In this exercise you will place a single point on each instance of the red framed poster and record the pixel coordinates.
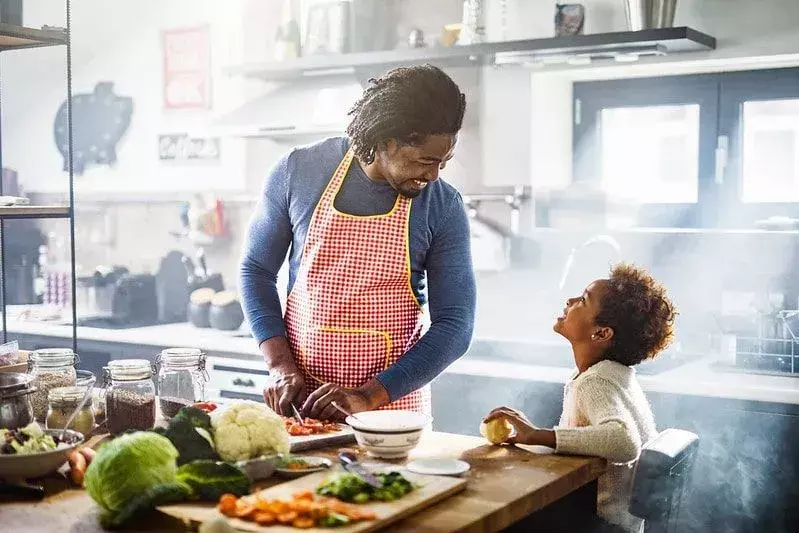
(187, 68)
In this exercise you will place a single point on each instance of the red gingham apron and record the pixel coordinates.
(352, 312)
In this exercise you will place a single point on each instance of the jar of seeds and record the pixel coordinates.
(129, 395)
(51, 368)
(181, 379)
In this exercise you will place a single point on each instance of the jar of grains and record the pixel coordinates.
(63, 402)
(181, 379)
(129, 395)
(51, 368)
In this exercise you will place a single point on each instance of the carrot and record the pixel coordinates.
(287, 518)
(303, 495)
(88, 453)
(263, 518)
(227, 504)
(303, 523)
(244, 511)
(77, 467)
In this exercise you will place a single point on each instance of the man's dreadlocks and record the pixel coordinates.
(405, 104)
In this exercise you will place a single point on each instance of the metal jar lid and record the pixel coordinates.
(14, 384)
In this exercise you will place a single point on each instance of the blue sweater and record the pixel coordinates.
(441, 266)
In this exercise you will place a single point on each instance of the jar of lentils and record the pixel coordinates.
(181, 379)
(129, 395)
(51, 368)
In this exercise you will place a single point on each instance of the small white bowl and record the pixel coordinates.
(388, 434)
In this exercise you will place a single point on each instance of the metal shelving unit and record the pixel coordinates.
(19, 38)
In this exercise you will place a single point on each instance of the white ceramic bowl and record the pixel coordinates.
(37, 465)
(388, 434)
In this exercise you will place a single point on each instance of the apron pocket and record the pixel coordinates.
(345, 357)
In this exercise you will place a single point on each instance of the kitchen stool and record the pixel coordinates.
(660, 478)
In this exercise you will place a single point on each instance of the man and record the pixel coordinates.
(373, 233)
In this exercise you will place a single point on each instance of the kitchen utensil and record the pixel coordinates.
(172, 288)
(350, 463)
(202, 262)
(315, 464)
(225, 313)
(15, 406)
(200, 307)
(646, 14)
(22, 490)
(86, 395)
(432, 490)
(37, 465)
(389, 434)
(439, 467)
(258, 468)
(344, 411)
(297, 416)
(344, 437)
(136, 300)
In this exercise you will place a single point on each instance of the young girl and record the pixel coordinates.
(615, 324)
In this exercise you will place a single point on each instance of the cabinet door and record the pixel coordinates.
(745, 477)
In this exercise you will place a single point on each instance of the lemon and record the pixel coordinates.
(496, 431)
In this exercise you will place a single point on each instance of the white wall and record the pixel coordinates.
(119, 42)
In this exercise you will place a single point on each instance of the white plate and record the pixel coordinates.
(438, 467)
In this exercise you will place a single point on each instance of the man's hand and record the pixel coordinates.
(524, 430)
(286, 384)
(319, 404)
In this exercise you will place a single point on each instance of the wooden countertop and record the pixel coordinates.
(504, 485)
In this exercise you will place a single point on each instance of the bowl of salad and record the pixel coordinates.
(32, 452)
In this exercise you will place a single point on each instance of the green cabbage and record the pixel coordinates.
(128, 466)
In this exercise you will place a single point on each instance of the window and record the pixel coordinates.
(770, 151)
(657, 143)
(716, 150)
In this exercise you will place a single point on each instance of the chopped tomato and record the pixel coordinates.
(263, 518)
(206, 406)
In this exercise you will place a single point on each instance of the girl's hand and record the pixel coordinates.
(524, 430)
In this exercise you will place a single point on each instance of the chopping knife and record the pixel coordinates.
(351, 464)
(297, 416)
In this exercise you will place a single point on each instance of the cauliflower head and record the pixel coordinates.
(244, 429)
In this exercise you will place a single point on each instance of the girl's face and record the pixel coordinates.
(578, 321)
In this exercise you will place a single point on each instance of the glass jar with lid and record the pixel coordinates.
(129, 395)
(63, 402)
(181, 379)
(51, 368)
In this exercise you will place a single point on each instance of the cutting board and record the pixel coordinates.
(326, 440)
(433, 489)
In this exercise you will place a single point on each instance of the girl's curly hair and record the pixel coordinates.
(638, 309)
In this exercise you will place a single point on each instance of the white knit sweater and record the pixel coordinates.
(606, 414)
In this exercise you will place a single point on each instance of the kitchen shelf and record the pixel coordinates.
(661, 41)
(291, 132)
(38, 211)
(14, 37)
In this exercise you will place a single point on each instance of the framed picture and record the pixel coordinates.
(187, 68)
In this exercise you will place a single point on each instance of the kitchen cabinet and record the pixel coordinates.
(746, 477)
